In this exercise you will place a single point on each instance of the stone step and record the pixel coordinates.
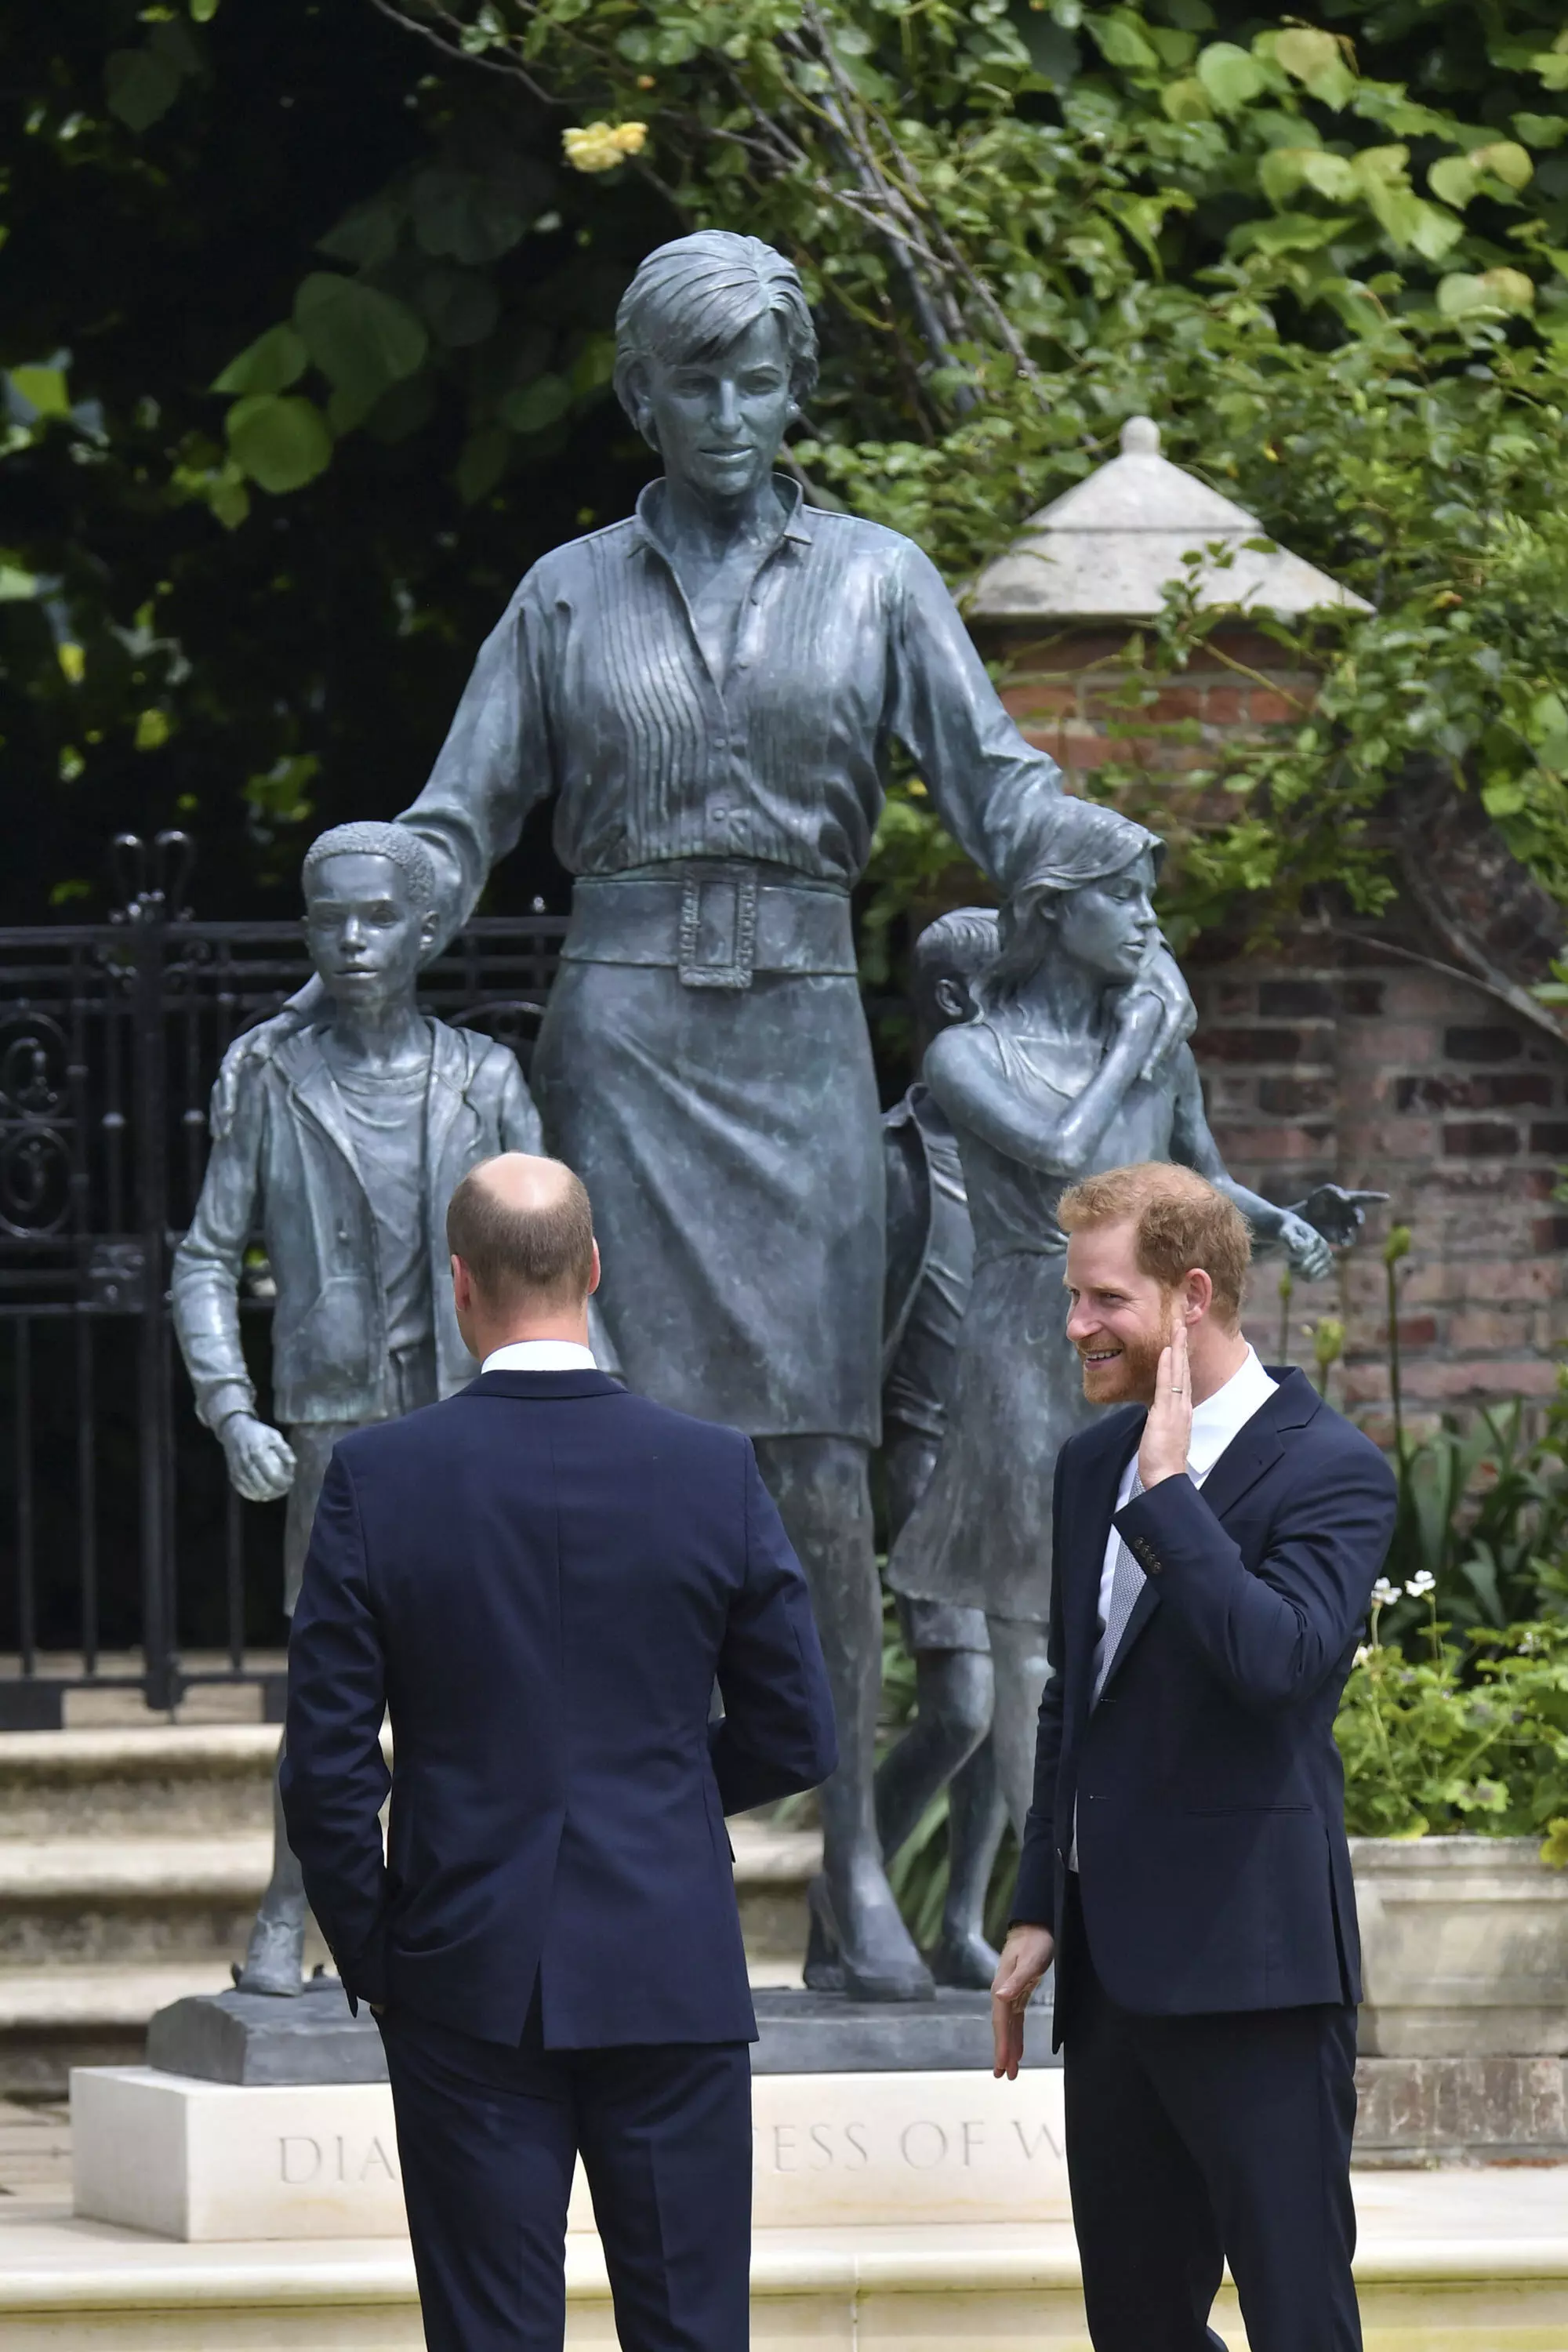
(129, 1900)
(1472, 2262)
(158, 1778)
(123, 1899)
(104, 1923)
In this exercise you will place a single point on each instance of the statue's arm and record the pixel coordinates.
(494, 764)
(1193, 1146)
(977, 768)
(204, 1284)
(966, 1073)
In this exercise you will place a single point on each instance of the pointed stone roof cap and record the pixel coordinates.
(1106, 548)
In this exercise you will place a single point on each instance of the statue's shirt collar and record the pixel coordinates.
(647, 530)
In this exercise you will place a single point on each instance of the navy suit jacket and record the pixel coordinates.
(542, 1578)
(1212, 1867)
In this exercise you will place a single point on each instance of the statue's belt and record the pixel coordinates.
(715, 928)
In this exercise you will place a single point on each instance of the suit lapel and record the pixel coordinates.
(1087, 1537)
(1254, 1450)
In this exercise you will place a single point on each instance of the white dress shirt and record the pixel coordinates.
(541, 1356)
(1216, 1422)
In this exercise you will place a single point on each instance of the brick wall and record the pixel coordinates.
(1342, 1060)
(1068, 695)
(1345, 1064)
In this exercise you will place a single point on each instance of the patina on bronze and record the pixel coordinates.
(712, 690)
(340, 1138)
(1066, 1068)
(931, 1258)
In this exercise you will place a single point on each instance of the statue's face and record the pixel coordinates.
(1109, 927)
(718, 421)
(366, 933)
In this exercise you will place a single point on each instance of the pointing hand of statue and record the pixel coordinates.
(261, 1459)
(1335, 1213)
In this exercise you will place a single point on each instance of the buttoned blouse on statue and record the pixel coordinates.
(704, 1062)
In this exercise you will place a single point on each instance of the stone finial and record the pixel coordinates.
(1107, 549)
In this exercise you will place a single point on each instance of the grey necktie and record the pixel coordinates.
(1126, 1584)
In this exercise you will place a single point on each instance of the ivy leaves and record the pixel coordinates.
(364, 342)
(426, 293)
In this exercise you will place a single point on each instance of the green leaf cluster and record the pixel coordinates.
(1331, 257)
(1344, 294)
(1471, 1737)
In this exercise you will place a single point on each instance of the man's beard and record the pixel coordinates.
(1129, 1378)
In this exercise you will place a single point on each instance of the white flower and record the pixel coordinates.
(1363, 1653)
(1383, 1594)
(1421, 1584)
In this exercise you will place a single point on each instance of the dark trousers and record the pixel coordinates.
(1191, 2141)
(488, 2137)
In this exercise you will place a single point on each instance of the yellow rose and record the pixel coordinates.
(601, 146)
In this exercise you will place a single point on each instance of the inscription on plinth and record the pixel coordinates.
(908, 2147)
(215, 2161)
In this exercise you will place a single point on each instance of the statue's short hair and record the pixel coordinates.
(959, 944)
(691, 298)
(370, 839)
(1179, 1220)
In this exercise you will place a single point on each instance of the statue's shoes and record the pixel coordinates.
(824, 1970)
(274, 1957)
(964, 1958)
(875, 1951)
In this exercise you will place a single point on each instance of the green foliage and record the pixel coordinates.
(323, 630)
(1472, 1738)
(1483, 1522)
(1348, 304)
(1330, 256)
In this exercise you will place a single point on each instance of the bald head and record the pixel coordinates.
(523, 1230)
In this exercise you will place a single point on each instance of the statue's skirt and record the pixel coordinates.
(730, 1142)
(981, 1535)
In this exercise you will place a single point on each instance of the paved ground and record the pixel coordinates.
(36, 2151)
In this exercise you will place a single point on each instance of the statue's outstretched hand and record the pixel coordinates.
(1335, 1213)
(1308, 1253)
(261, 1459)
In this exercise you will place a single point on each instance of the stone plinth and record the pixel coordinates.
(214, 2161)
(249, 2038)
(256, 2039)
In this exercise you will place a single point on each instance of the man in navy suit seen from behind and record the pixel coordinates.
(1217, 1537)
(541, 1580)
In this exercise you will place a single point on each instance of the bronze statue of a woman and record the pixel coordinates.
(712, 690)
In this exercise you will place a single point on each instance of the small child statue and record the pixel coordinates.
(341, 1142)
(930, 1256)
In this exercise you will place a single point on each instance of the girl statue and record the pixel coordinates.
(1066, 1067)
